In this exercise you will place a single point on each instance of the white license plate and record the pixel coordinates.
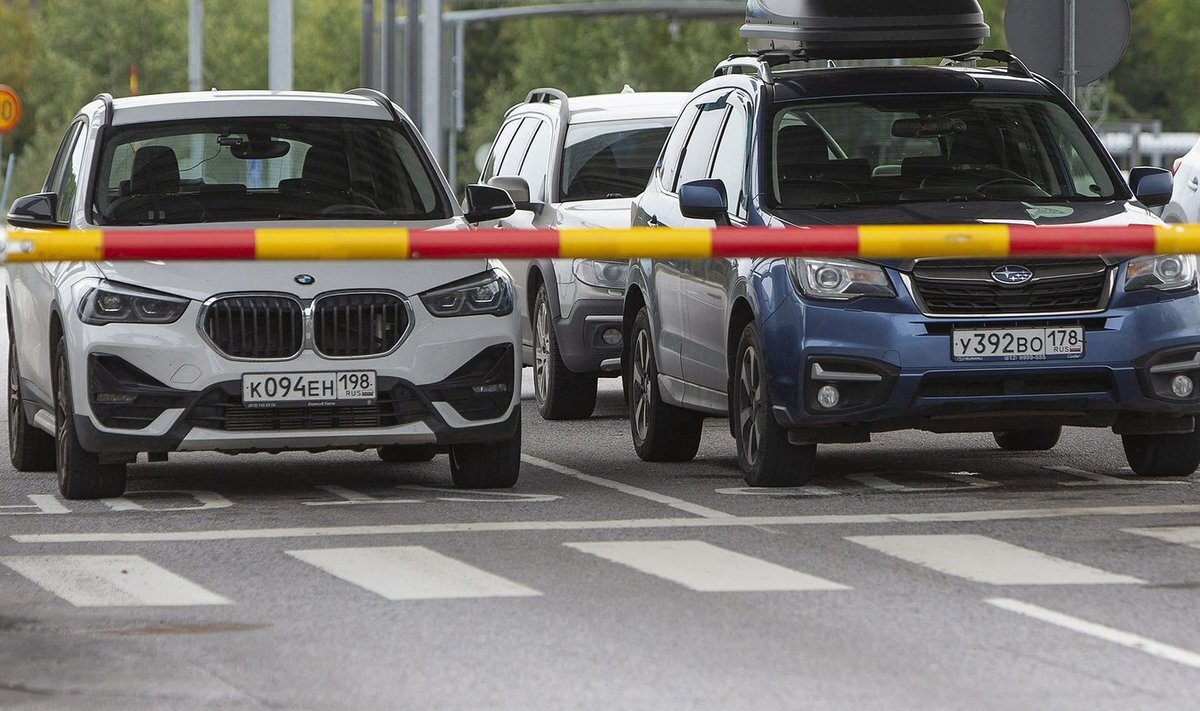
(348, 387)
(1014, 344)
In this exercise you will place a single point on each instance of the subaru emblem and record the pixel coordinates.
(1012, 275)
(305, 279)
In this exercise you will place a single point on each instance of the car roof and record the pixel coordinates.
(612, 107)
(839, 82)
(243, 104)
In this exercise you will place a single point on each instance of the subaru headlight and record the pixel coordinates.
(487, 293)
(602, 274)
(1164, 272)
(840, 279)
(112, 303)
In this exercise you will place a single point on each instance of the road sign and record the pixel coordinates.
(1050, 36)
(10, 109)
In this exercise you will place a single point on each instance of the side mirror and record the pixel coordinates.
(704, 200)
(485, 203)
(1152, 186)
(517, 189)
(35, 211)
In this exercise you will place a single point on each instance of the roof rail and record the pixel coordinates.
(545, 95)
(107, 100)
(759, 65)
(1015, 65)
(380, 98)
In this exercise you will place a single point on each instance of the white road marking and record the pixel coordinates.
(110, 581)
(1183, 535)
(410, 573)
(703, 567)
(627, 489)
(350, 497)
(987, 560)
(1094, 479)
(1108, 634)
(204, 500)
(779, 492)
(606, 525)
(42, 504)
(968, 480)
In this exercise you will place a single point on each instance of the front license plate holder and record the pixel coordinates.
(343, 387)
(1017, 343)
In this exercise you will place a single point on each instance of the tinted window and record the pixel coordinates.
(503, 139)
(67, 186)
(729, 165)
(510, 164)
(611, 158)
(698, 152)
(669, 164)
(533, 168)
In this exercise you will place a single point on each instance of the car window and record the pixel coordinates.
(510, 164)
(729, 164)
(242, 169)
(698, 151)
(54, 177)
(534, 166)
(67, 183)
(609, 159)
(499, 146)
(668, 164)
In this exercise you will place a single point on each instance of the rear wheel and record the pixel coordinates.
(29, 449)
(488, 465)
(81, 475)
(1163, 454)
(661, 432)
(560, 393)
(1037, 439)
(407, 452)
(764, 453)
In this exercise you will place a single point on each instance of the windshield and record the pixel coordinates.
(922, 148)
(611, 159)
(252, 169)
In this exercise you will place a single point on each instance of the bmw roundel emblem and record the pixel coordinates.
(305, 279)
(1012, 275)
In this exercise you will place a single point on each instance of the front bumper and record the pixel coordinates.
(580, 335)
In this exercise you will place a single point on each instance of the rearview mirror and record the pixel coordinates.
(517, 189)
(260, 150)
(1152, 186)
(485, 203)
(35, 211)
(704, 200)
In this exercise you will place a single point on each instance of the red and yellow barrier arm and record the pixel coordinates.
(335, 243)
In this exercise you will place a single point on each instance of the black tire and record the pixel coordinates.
(661, 432)
(1162, 455)
(763, 451)
(560, 393)
(81, 475)
(29, 449)
(1037, 439)
(407, 452)
(489, 465)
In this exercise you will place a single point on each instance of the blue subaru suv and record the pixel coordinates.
(799, 352)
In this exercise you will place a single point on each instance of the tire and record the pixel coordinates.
(560, 393)
(763, 451)
(1038, 439)
(487, 465)
(407, 452)
(81, 475)
(661, 432)
(29, 449)
(1162, 455)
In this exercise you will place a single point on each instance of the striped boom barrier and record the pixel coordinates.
(338, 243)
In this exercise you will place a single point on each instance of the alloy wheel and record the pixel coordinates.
(541, 350)
(639, 389)
(749, 404)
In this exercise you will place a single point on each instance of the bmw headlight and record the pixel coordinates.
(113, 303)
(1164, 272)
(840, 279)
(602, 274)
(487, 293)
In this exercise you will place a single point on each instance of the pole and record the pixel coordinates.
(1069, 70)
(431, 77)
(7, 182)
(279, 44)
(366, 45)
(195, 45)
(387, 49)
(412, 58)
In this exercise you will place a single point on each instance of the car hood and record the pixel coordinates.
(1111, 213)
(606, 213)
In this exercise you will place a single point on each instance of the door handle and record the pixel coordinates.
(1194, 183)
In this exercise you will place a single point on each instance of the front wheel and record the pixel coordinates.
(29, 449)
(764, 453)
(487, 465)
(1037, 439)
(1163, 454)
(81, 474)
(661, 432)
(560, 393)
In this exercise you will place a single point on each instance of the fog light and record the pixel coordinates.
(490, 388)
(611, 336)
(1182, 386)
(828, 396)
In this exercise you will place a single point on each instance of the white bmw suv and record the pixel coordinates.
(111, 359)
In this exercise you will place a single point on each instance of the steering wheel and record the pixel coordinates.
(351, 209)
(1016, 181)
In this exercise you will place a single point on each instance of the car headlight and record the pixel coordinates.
(602, 274)
(112, 303)
(487, 293)
(1164, 272)
(840, 279)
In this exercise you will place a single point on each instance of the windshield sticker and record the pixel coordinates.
(1048, 212)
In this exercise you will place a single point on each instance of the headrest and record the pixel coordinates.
(155, 171)
(325, 169)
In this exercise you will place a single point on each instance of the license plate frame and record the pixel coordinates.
(309, 388)
(1017, 344)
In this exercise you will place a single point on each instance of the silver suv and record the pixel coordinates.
(575, 162)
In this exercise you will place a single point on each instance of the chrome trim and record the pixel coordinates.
(831, 376)
(905, 277)
(305, 322)
(1179, 367)
(311, 330)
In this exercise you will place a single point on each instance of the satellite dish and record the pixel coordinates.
(1037, 35)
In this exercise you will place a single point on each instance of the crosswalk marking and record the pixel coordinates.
(1183, 535)
(410, 573)
(986, 560)
(110, 581)
(704, 567)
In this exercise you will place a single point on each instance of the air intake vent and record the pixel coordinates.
(349, 325)
(258, 327)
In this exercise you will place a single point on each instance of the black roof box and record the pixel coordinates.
(865, 29)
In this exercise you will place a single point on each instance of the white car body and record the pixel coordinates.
(1184, 207)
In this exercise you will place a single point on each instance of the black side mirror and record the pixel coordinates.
(1152, 186)
(35, 211)
(704, 200)
(485, 203)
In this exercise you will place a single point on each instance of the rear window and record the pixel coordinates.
(233, 170)
(611, 159)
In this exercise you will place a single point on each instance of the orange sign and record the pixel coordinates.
(10, 109)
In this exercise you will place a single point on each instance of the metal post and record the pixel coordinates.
(366, 45)
(7, 183)
(412, 58)
(431, 77)
(195, 45)
(1069, 70)
(279, 45)
(460, 90)
(387, 49)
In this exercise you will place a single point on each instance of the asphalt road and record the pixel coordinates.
(917, 572)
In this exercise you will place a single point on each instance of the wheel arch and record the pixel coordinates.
(741, 313)
(541, 272)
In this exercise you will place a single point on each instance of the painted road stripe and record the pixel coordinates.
(1183, 535)
(606, 525)
(410, 573)
(111, 581)
(1108, 634)
(703, 567)
(627, 489)
(986, 560)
